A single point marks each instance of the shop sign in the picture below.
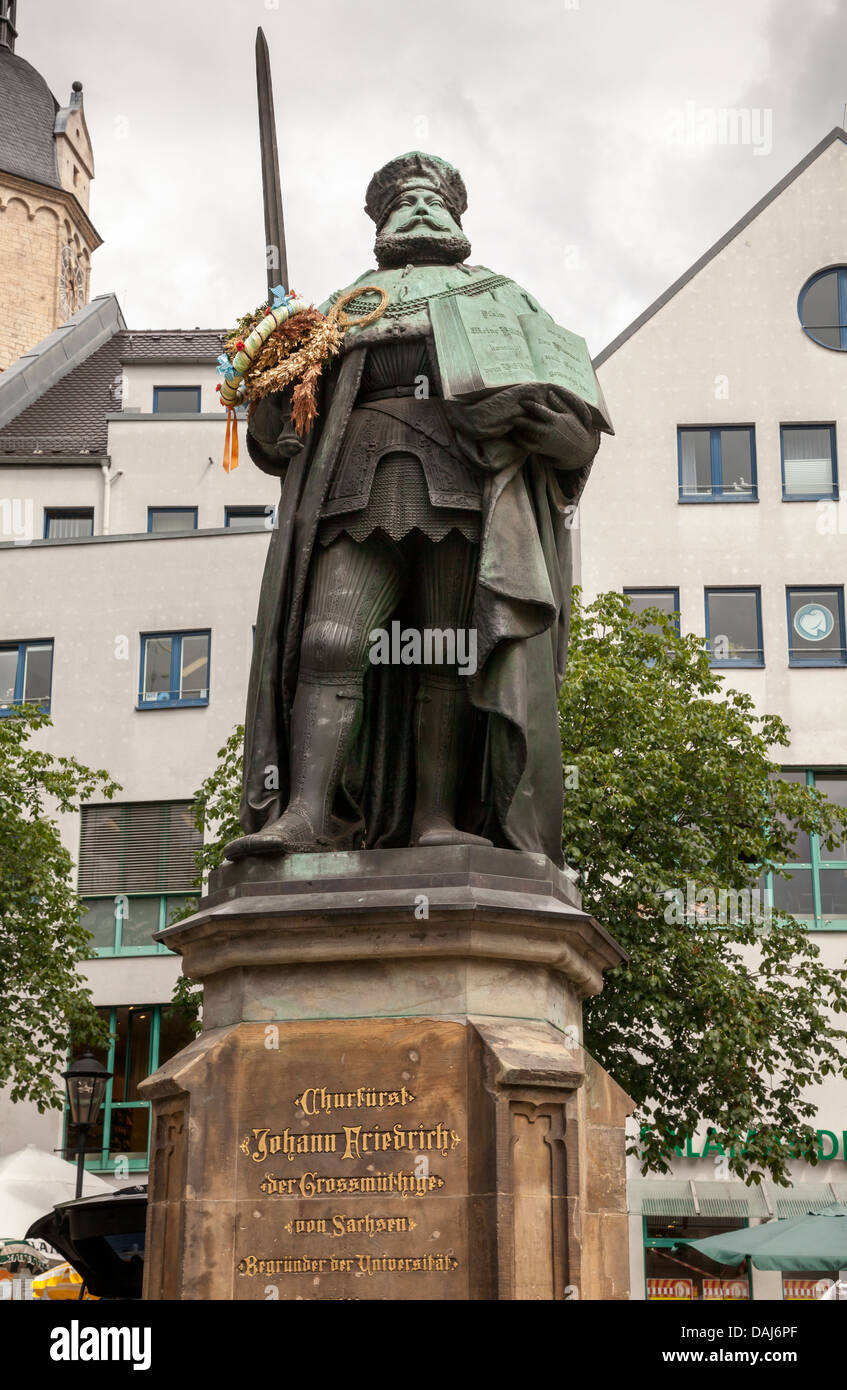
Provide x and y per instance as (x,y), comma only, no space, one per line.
(804,1290)
(832,1144)
(727,1290)
(674,1289)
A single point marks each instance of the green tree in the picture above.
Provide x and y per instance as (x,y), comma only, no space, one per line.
(42,940)
(215,811)
(670,779)
(716,1023)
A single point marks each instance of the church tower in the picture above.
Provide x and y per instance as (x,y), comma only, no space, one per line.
(46,168)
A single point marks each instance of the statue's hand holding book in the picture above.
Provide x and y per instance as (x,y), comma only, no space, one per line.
(483,346)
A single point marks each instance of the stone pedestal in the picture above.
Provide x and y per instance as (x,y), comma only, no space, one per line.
(389,1098)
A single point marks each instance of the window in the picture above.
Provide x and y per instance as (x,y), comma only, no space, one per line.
(62,522)
(734,627)
(822,308)
(137,847)
(665,599)
(816,627)
(176,400)
(174,669)
(817,889)
(26,672)
(171,518)
(123,924)
(809,469)
(717,465)
(143,1037)
(248,518)
(673,1271)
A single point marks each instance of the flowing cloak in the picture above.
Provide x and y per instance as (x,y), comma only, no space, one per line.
(513,787)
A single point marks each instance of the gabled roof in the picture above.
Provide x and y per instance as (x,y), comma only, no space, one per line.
(68,417)
(172,344)
(835,134)
(29,376)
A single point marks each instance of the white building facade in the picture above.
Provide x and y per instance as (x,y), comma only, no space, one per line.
(719,498)
(130,566)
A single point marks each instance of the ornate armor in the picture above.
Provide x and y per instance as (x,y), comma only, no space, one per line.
(399,469)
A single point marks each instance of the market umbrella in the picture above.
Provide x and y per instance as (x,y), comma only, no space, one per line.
(16,1255)
(32,1182)
(62,1281)
(817,1240)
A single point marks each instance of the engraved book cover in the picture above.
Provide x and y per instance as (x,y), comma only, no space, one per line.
(482,345)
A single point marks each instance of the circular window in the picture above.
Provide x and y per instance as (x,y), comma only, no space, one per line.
(822,307)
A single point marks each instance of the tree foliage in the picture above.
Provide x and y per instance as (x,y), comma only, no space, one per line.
(710,1023)
(42,940)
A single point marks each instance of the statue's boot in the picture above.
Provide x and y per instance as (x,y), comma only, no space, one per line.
(324,719)
(443,720)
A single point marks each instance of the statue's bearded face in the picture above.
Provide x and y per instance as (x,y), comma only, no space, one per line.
(420,230)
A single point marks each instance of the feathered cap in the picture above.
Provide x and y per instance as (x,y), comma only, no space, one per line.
(418,170)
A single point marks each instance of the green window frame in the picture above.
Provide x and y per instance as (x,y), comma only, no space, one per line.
(103,1157)
(815,863)
(158,914)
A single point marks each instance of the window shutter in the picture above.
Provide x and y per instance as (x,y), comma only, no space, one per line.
(138,847)
(808,461)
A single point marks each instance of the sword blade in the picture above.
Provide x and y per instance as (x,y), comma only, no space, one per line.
(275,252)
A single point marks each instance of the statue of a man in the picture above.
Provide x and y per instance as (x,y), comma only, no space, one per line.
(447,517)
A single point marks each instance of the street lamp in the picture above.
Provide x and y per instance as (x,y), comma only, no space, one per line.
(86,1080)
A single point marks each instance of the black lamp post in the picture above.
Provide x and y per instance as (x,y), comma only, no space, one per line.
(86,1080)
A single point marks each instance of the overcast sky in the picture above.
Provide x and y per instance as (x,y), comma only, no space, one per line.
(589,134)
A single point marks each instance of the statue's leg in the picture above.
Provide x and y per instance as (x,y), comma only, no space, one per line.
(353,588)
(445,576)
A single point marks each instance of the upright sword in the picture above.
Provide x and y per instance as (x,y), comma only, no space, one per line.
(275,253)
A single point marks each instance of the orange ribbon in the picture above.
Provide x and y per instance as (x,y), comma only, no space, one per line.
(231,457)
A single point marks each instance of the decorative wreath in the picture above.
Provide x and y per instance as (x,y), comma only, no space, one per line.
(287,340)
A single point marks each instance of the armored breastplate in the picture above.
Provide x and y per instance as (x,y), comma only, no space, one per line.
(398,411)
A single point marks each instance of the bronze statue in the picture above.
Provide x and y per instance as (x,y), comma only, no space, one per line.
(441,515)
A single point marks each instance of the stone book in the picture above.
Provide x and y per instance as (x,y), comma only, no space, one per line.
(483,345)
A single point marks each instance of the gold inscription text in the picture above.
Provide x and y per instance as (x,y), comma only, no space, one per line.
(317,1099)
(369,1265)
(343,1225)
(361,1185)
(353,1142)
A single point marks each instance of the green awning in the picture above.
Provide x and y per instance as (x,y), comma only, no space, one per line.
(817,1240)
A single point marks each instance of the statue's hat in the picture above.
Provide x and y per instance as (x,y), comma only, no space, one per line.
(420,171)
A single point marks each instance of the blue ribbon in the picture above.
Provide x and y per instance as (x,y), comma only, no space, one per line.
(225,367)
(281,299)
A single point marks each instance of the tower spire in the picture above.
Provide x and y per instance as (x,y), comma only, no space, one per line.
(8,32)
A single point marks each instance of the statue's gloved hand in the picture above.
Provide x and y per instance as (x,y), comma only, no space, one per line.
(558,424)
(272,440)
(533,418)
(490,418)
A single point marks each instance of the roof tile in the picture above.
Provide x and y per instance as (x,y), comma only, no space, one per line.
(70,418)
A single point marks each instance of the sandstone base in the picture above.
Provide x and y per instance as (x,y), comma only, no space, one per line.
(468,1149)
